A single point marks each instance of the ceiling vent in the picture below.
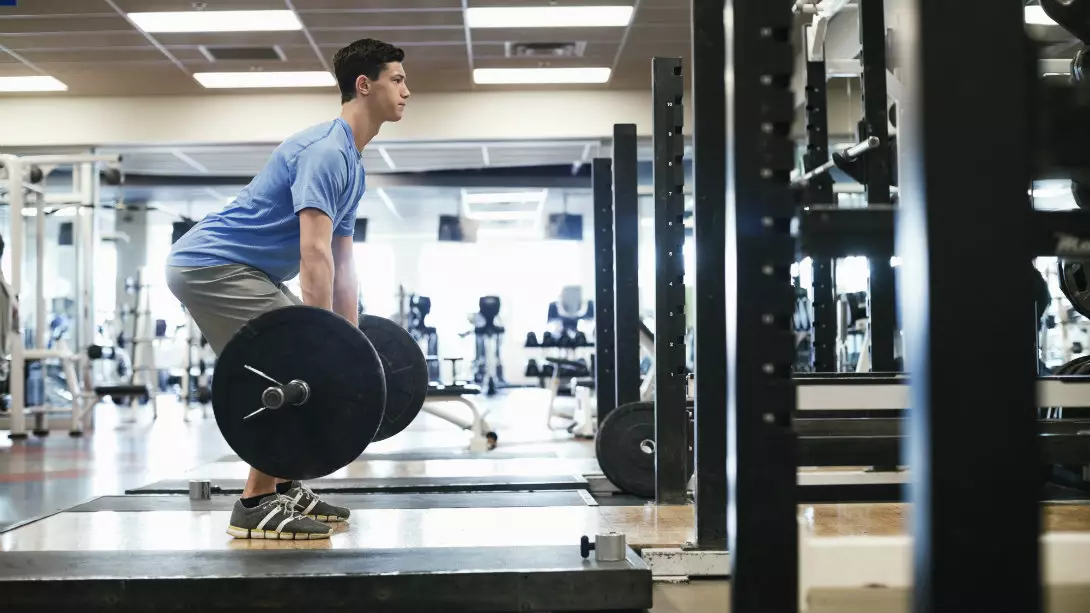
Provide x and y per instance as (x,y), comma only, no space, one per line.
(244,54)
(546,51)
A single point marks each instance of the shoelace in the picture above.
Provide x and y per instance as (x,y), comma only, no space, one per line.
(287,505)
(306,490)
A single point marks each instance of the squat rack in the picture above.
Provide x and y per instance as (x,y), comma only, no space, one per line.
(958,213)
(84,196)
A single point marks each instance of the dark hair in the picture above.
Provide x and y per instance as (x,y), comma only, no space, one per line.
(367,57)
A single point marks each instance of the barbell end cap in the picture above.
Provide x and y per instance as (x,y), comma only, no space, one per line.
(272,398)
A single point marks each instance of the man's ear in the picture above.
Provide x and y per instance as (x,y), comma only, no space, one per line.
(363,85)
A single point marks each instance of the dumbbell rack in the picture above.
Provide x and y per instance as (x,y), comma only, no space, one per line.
(552,376)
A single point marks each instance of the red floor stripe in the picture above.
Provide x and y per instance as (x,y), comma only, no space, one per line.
(43,475)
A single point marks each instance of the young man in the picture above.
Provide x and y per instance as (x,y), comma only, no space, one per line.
(296,217)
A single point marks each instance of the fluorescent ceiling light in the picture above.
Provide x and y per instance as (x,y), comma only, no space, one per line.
(31,84)
(519,76)
(549,17)
(216,21)
(1035,15)
(227,80)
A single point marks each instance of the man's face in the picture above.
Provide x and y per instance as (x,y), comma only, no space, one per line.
(389,93)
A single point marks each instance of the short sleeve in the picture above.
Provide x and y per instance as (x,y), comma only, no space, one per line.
(320,178)
(347,227)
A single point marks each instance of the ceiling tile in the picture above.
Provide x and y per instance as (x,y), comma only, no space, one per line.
(155,162)
(649,35)
(530,154)
(56,7)
(304,64)
(518,3)
(132,6)
(16,69)
(531,63)
(547,35)
(308,6)
(594,52)
(376,21)
(662,16)
(401,38)
(439,156)
(232,38)
(136,79)
(96,51)
(237,161)
(75,40)
(104,55)
(69,23)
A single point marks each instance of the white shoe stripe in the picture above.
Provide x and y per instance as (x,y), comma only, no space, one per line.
(268,518)
(297,497)
(280,528)
(313,503)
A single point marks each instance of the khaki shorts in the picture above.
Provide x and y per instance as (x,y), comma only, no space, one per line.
(221,299)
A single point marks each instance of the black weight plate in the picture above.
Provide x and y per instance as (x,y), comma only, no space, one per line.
(406,371)
(347,392)
(1079,191)
(621,445)
(1075,283)
(1074,366)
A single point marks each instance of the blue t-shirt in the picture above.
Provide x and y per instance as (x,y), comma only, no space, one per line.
(319,168)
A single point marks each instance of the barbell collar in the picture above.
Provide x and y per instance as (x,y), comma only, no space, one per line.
(294,392)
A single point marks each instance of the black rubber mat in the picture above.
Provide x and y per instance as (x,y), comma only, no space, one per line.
(438,454)
(436,579)
(496,483)
(406,500)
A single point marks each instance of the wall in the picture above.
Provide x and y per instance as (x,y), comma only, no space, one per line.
(228,119)
(160,120)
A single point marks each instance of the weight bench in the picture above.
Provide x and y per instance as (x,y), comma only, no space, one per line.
(122,391)
(483,438)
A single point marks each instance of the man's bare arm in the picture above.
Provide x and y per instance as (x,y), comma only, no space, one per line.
(316,269)
(346,289)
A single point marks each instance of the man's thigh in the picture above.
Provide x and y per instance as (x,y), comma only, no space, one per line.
(221,299)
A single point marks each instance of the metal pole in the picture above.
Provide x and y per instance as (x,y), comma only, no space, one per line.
(820,190)
(709,192)
(626,250)
(40,327)
(968,212)
(605,360)
(671,381)
(17,198)
(761,446)
(88,236)
(882,307)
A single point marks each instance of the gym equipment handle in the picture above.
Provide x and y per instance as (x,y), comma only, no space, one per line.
(294,392)
(853,152)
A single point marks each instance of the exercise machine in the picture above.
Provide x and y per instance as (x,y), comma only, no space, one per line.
(488,334)
(419,308)
(25,189)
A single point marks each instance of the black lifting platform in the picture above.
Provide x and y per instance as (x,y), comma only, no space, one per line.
(447,579)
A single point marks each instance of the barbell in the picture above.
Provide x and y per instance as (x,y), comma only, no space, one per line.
(299,392)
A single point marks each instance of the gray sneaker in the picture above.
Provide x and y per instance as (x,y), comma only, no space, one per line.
(275,518)
(308,503)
